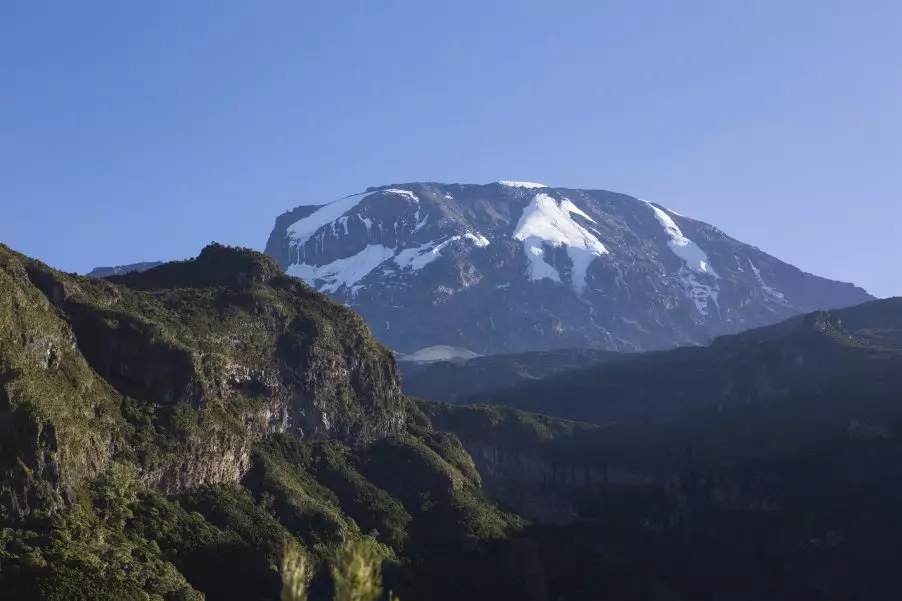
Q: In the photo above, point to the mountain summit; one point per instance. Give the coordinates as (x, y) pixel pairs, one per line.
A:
(516, 266)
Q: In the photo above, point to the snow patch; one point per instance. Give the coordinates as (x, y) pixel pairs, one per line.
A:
(406, 193)
(420, 222)
(439, 352)
(513, 184)
(695, 258)
(696, 264)
(420, 256)
(545, 221)
(700, 293)
(539, 268)
(477, 239)
(342, 272)
(301, 231)
(767, 289)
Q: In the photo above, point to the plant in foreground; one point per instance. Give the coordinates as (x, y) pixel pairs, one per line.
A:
(356, 572)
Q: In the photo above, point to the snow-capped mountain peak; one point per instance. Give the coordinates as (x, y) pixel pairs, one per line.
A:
(516, 266)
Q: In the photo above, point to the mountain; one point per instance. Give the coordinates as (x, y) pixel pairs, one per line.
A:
(811, 354)
(484, 377)
(97, 367)
(764, 466)
(102, 272)
(214, 429)
(515, 266)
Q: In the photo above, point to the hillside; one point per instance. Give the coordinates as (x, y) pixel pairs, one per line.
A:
(213, 429)
(802, 354)
(458, 381)
(764, 466)
(789, 496)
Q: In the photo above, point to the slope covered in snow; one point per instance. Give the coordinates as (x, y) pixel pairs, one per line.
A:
(343, 272)
(304, 229)
(419, 257)
(546, 221)
(309, 236)
(696, 259)
(513, 184)
(703, 291)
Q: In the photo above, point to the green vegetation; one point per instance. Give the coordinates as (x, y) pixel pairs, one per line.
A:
(212, 429)
(283, 529)
(192, 360)
(356, 571)
(88, 552)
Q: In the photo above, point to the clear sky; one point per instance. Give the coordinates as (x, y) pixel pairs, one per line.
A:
(134, 131)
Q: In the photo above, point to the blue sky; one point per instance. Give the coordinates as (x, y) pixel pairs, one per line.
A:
(137, 131)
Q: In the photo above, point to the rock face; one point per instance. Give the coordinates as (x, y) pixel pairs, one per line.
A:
(524, 461)
(513, 266)
(182, 367)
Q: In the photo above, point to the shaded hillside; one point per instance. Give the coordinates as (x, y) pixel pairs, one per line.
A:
(194, 430)
(457, 381)
(802, 354)
(763, 467)
(794, 498)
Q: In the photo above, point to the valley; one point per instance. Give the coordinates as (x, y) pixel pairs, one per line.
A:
(183, 422)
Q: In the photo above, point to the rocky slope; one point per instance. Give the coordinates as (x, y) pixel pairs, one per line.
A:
(178, 433)
(214, 353)
(513, 266)
(183, 432)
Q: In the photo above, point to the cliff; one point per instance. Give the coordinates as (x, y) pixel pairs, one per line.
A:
(180, 368)
(177, 433)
